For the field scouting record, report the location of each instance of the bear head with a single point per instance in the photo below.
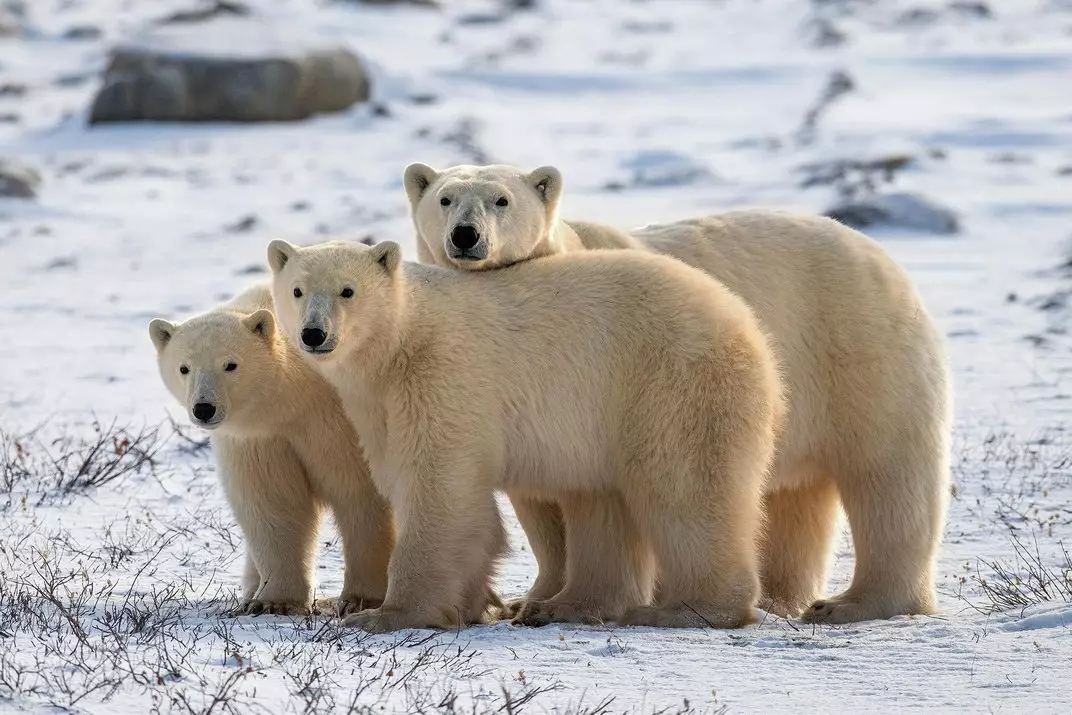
(219, 365)
(482, 217)
(334, 295)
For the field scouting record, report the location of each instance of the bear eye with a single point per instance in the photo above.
(502, 201)
(183, 370)
(231, 367)
(444, 201)
(347, 293)
(297, 293)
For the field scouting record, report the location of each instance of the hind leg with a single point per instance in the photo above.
(705, 545)
(896, 512)
(796, 545)
(609, 567)
(546, 532)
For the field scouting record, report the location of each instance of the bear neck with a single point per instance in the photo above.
(388, 340)
(561, 239)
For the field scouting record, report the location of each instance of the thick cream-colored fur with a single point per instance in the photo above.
(285, 451)
(595, 570)
(867, 382)
(620, 375)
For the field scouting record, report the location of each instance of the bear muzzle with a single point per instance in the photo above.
(317, 341)
(206, 414)
(466, 244)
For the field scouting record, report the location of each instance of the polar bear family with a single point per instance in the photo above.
(676, 422)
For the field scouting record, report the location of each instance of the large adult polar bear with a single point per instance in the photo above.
(866, 377)
(658, 386)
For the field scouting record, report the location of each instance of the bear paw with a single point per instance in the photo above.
(686, 617)
(850, 608)
(381, 620)
(347, 605)
(542, 613)
(257, 606)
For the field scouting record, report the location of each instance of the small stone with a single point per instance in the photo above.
(18, 180)
(973, 9)
(220, 8)
(243, 225)
(662, 168)
(898, 210)
(83, 32)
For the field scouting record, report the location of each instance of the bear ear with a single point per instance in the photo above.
(547, 183)
(388, 254)
(161, 332)
(262, 323)
(279, 252)
(417, 178)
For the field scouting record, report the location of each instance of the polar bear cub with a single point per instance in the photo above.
(866, 373)
(612, 372)
(285, 451)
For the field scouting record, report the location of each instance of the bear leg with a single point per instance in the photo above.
(609, 567)
(796, 545)
(896, 512)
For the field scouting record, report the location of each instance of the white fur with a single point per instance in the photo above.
(867, 377)
(622, 376)
(285, 452)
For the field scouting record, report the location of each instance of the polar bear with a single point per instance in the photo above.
(285, 451)
(867, 379)
(614, 372)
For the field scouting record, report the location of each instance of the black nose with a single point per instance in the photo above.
(204, 411)
(464, 237)
(313, 337)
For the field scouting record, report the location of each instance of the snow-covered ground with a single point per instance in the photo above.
(110, 596)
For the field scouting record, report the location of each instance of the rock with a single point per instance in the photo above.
(243, 225)
(83, 32)
(415, 3)
(971, 9)
(899, 210)
(824, 33)
(237, 70)
(220, 8)
(661, 168)
(18, 180)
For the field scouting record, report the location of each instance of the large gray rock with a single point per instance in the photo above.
(237, 70)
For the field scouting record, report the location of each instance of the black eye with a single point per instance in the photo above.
(183, 370)
(502, 201)
(444, 201)
(231, 367)
(297, 293)
(347, 293)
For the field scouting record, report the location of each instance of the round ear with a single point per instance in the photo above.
(417, 178)
(262, 323)
(279, 252)
(161, 332)
(547, 183)
(388, 254)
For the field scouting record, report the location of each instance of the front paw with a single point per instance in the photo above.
(258, 606)
(386, 620)
(348, 605)
(542, 613)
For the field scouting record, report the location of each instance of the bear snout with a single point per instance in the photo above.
(467, 244)
(313, 337)
(204, 411)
